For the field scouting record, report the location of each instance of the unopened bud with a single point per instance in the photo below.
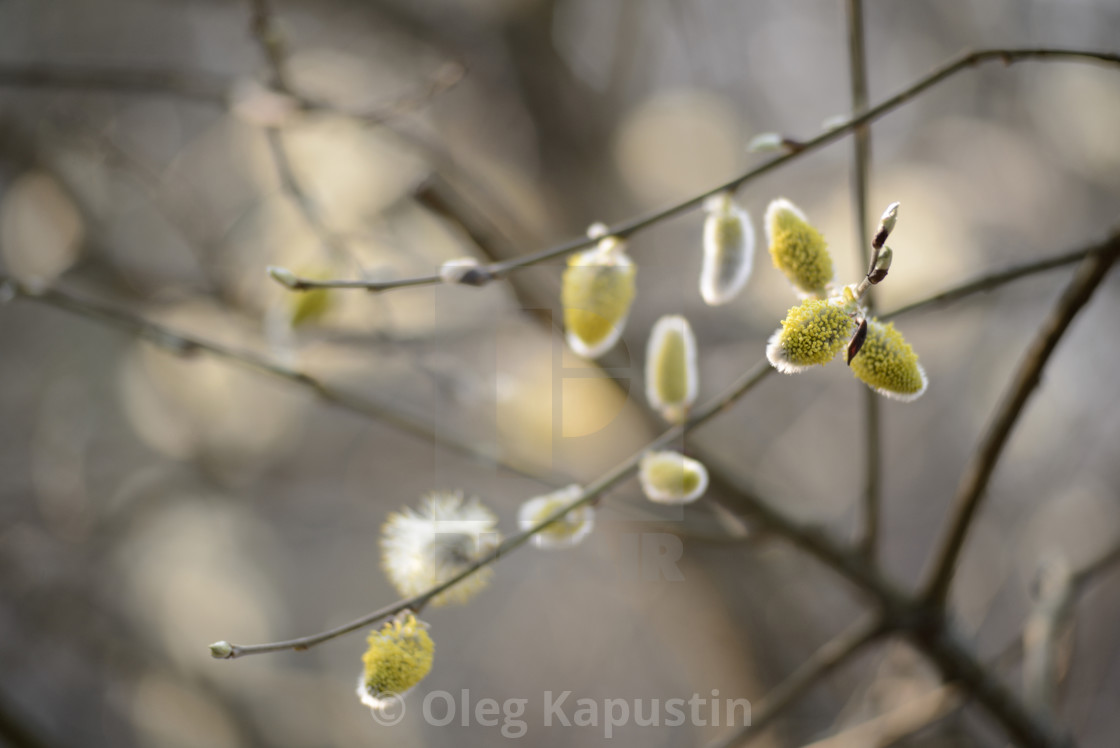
(881, 266)
(222, 650)
(857, 340)
(767, 141)
(886, 226)
(283, 276)
(464, 271)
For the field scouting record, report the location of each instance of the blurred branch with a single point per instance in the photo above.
(198, 86)
(16, 732)
(890, 727)
(971, 491)
(184, 345)
(822, 662)
(925, 624)
(804, 536)
(861, 168)
(1093, 571)
(269, 38)
(992, 281)
(497, 270)
(1050, 618)
(215, 90)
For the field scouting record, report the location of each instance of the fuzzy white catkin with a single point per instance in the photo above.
(672, 375)
(671, 478)
(728, 250)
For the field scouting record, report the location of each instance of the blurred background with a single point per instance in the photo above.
(152, 502)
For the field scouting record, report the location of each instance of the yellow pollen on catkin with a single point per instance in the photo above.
(812, 333)
(398, 657)
(888, 364)
(798, 249)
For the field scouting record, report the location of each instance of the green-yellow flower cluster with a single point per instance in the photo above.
(398, 657)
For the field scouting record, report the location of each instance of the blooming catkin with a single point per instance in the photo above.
(596, 292)
(398, 657)
(798, 249)
(671, 371)
(812, 333)
(728, 250)
(888, 364)
(420, 549)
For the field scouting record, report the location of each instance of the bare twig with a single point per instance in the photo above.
(16, 731)
(1050, 618)
(633, 226)
(970, 493)
(184, 345)
(822, 662)
(861, 176)
(1083, 577)
(993, 280)
(887, 729)
(958, 665)
(202, 87)
(592, 491)
(926, 625)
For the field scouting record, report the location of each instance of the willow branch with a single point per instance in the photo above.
(633, 226)
(198, 86)
(925, 624)
(822, 662)
(185, 345)
(993, 280)
(861, 177)
(807, 538)
(971, 490)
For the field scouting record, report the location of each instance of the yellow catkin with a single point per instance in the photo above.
(671, 478)
(399, 656)
(671, 370)
(798, 249)
(888, 364)
(812, 333)
(596, 292)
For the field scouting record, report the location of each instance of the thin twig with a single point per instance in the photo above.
(198, 86)
(993, 280)
(1093, 571)
(185, 345)
(822, 662)
(179, 343)
(269, 39)
(16, 731)
(267, 34)
(889, 728)
(592, 491)
(971, 491)
(958, 665)
(633, 226)
(926, 625)
(861, 177)
(1051, 617)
